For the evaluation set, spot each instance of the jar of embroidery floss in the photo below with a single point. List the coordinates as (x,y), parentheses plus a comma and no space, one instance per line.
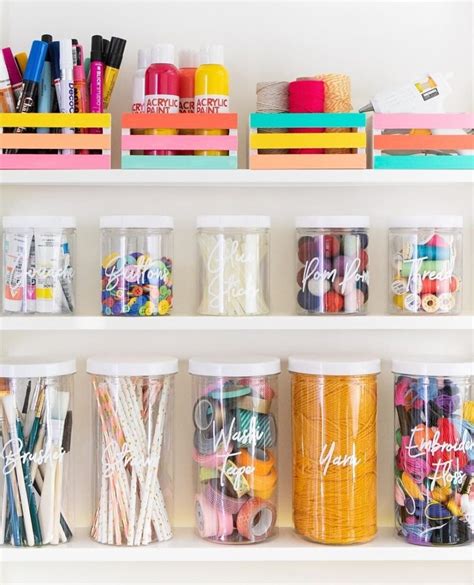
(133,489)
(137,265)
(332,264)
(36,480)
(233,255)
(434,452)
(235,440)
(425,255)
(334,417)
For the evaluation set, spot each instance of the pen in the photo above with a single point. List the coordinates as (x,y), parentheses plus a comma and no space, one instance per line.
(55,73)
(112,66)
(44,91)
(81,101)
(66,84)
(14,73)
(105,49)
(7,98)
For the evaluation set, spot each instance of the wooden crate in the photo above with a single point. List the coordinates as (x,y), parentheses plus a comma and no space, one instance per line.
(179,142)
(32,141)
(399,140)
(353,138)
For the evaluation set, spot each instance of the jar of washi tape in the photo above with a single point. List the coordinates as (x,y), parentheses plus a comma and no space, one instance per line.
(137,265)
(39,264)
(235,448)
(133,490)
(332,264)
(434,452)
(425,255)
(36,480)
(233,256)
(334,417)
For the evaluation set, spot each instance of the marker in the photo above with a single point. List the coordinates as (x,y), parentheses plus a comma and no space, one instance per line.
(14,73)
(7,97)
(81,98)
(96,80)
(112,66)
(31,79)
(55,71)
(21,60)
(44,92)
(66,84)
(105,49)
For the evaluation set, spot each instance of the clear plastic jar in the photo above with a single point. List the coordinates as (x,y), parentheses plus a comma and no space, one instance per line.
(234,255)
(37,484)
(434,452)
(425,255)
(134,486)
(38,264)
(332,265)
(334,414)
(137,265)
(235,448)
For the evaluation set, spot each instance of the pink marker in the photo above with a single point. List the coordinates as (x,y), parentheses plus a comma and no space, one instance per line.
(14,73)
(96,80)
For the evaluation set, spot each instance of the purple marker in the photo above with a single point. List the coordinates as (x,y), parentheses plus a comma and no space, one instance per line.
(14,73)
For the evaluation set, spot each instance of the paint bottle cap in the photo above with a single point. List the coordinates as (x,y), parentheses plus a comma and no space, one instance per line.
(115,52)
(163,53)
(212,55)
(96,48)
(188,58)
(12,67)
(35,63)
(143,58)
(65,54)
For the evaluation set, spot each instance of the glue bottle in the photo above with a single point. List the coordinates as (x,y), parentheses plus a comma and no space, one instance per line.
(212,90)
(162,90)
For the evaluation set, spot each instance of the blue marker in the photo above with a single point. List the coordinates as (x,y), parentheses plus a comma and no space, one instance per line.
(44,92)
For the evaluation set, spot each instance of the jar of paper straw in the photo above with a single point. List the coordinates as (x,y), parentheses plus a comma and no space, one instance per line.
(235,447)
(133,491)
(334,416)
(233,262)
(36,483)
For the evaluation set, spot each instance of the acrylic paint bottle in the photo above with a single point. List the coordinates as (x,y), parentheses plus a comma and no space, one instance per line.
(162,89)
(188,63)
(138,91)
(212,90)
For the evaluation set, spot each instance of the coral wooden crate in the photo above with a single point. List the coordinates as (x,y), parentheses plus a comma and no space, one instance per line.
(225,142)
(391,135)
(96,142)
(352,135)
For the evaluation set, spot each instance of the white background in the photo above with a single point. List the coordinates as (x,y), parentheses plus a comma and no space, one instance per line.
(380,45)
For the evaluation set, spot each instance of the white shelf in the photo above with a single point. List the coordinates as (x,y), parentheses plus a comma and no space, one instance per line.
(265,323)
(233,178)
(187,547)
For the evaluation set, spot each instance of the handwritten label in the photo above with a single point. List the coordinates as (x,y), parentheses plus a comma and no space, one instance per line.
(115,458)
(416,273)
(328,458)
(12,451)
(55,275)
(149,270)
(312,271)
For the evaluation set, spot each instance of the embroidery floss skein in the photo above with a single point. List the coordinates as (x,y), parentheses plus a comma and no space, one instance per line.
(334,455)
(306,96)
(272,97)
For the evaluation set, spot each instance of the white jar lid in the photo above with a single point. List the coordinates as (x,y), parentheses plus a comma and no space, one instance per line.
(426,221)
(332,221)
(39,221)
(126,365)
(233,221)
(308,364)
(137,221)
(239,366)
(35,367)
(432,368)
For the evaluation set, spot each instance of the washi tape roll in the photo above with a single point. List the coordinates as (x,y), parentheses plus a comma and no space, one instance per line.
(219,498)
(207,473)
(204,413)
(231,391)
(256,519)
(238,481)
(204,443)
(262,461)
(213,460)
(255,429)
(255,404)
(262,483)
(206,517)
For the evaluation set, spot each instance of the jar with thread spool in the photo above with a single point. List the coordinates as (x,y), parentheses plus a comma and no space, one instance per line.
(233,259)
(334,419)
(133,397)
(332,264)
(36,478)
(235,447)
(425,255)
(434,452)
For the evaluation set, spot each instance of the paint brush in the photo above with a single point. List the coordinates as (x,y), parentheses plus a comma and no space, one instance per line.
(58,488)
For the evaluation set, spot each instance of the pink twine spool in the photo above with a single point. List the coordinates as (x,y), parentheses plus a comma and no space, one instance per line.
(306,96)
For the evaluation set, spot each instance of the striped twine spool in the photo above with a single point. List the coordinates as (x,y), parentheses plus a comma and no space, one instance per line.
(272,97)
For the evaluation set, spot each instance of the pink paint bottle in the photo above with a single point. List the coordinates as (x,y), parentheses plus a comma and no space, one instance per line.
(162,90)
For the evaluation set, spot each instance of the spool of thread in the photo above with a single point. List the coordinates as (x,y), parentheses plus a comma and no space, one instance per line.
(306,96)
(272,97)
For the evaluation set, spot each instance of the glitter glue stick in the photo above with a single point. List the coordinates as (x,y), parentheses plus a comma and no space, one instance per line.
(162,90)
(188,62)
(212,90)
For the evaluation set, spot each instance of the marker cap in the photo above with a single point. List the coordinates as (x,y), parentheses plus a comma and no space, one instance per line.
(3,70)
(143,58)
(105,49)
(54,54)
(163,53)
(115,52)
(35,63)
(212,55)
(188,58)
(12,67)
(65,54)
(96,48)
(46,38)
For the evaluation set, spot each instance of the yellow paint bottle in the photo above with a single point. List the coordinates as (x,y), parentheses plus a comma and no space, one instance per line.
(211,90)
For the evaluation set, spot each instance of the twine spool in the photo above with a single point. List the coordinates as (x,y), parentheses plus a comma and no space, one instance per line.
(306,96)
(272,97)
(334,417)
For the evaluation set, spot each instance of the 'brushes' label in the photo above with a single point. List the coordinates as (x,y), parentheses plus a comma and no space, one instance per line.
(161,104)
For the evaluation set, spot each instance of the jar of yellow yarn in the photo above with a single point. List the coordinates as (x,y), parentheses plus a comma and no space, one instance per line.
(334,412)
